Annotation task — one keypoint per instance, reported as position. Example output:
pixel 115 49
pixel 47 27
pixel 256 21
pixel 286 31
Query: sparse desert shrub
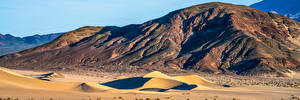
pixel 8 98
pixel 98 99
pixel 215 98
pixel 294 98
pixel 148 99
pixel 234 80
pixel 170 97
pixel 157 99
pixel 187 93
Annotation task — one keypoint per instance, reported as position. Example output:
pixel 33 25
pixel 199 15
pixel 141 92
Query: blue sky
pixel 29 17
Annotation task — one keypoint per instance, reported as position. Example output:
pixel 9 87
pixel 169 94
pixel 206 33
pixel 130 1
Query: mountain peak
pixel 11 44
pixel 213 37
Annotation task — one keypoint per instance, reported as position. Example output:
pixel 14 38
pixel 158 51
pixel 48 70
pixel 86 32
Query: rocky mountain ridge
pixel 213 37
pixel 12 44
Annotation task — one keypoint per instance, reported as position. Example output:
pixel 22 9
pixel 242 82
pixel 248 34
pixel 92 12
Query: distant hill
pixel 290 8
pixel 11 44
pixel 212 37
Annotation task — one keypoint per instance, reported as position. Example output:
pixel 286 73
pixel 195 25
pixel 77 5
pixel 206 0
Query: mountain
pixel 12 44
pixel 289 8
pixel 213 37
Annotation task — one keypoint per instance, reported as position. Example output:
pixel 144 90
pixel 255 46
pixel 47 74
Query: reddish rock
pixel 212 37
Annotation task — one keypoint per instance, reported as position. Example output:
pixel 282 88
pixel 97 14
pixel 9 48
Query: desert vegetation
pixel 292 97
pixel 235 80
pixel 220 79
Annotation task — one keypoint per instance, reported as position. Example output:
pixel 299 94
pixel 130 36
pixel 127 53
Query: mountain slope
pixel 289 8
pixel 11 44
pixel 212 37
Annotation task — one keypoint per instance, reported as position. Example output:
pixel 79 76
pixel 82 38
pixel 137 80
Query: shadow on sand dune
pixel 154 81
pixel 128 83
pixel 184 87
pixel 145 84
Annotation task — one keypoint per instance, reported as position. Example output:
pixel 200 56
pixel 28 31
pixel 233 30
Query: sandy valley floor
pixel 25 85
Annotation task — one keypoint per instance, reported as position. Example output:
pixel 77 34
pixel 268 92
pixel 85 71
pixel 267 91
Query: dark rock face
pixel 12 44
pixel 289 8
pixel 212 37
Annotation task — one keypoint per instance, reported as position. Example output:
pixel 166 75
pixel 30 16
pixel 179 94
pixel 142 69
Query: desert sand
pixel 44 85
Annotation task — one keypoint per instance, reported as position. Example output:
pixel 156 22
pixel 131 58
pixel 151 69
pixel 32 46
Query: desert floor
pixel 24 85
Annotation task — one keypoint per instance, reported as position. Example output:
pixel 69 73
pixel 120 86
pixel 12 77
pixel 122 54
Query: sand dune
pixel 189 79
pixel 154 81
pixel 12 80
pixel 157 81
pixel 152 85
pixel 157 74
pixel 92 87
pixel 50 76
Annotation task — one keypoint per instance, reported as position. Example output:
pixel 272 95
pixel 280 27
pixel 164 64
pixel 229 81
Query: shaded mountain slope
pixel 11 44
pixel 212 37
